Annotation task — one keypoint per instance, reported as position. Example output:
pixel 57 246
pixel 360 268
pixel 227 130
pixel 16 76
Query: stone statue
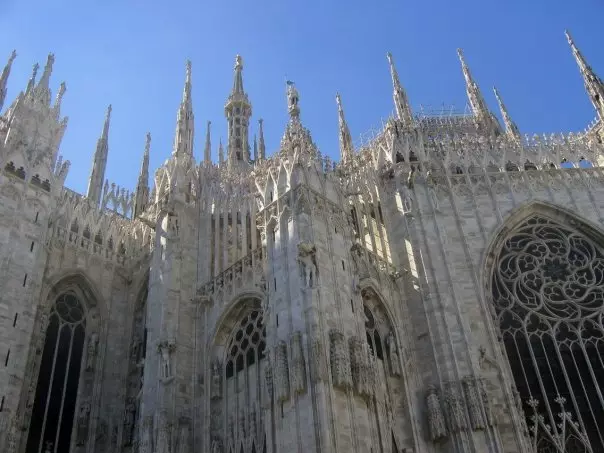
pixel 216 390
pixel 395 364
pixel 82 424
pixel 129 416
pixel 307 259
pixel 93 342
pixel 165 348
pixel 436 418
pixel 216 445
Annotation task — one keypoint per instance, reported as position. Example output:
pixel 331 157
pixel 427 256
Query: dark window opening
pixel 57 387
pixel 7 356
pixel 31 247
pixel 15 320
pixel 24 280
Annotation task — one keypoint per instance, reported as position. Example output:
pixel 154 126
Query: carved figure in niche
pixel 165 348
pixel 216 390
pixel 358 259
pixel 136 348
pixel 183 435
pixel 93 342
pixel 307 259
pixel 83 422
pixel 129 416
pixel 436 418
pixel 393 358
pixel 216 445
pixel 146 435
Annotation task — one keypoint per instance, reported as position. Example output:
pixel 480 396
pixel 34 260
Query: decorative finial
pixel 32 79
pixel 4 77
pixel 238 62
pixel 220 153
pixel 60 94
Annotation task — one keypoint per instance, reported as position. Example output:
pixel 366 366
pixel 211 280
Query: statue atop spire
pixel 261 145
pixel 401 102
pixel 479 107
pixel 511 130
pixel 4 77
pixel 97 175
pixel 238 79
pixel 593 84
pixel 142 188
pixel 207 152
pixel 292 101
pixel 238 111
pixel 346 147
pixel 185 126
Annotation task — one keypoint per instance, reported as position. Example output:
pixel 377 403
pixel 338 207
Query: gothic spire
pixel 479 106
pixel 511 129
pixel 207 152
pixel 238 111
pixel 346 147
pixel 401 102
pixel 220 154
pixel 97 175
pixel 185 128
pixel 142 188
pixel 255 149
pixel 261 145
pixel 593 83
pixel 292 101
pixel 4 77
pixel 42 90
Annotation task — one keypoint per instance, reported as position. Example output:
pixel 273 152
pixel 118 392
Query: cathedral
pixel 438 289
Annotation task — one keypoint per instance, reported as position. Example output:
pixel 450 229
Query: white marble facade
pixel 427 293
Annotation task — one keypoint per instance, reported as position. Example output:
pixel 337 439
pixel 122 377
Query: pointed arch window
pixel 548 292
pixel 374 339
pixel 240 426
pixel 53 411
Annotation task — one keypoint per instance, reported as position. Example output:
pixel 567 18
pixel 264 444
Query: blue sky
pixel 131 53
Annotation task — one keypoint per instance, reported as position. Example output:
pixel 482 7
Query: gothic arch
pixel 544 286
pixel 238 363
pixel 383 341
pixel 65 348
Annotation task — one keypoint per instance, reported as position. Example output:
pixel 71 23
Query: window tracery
pixel 52 417
pixel 237 421
pixel 548 292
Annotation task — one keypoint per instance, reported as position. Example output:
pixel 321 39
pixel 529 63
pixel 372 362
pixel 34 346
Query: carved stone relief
pixel 318 370
pixel 436 418
pixel 340 360
pixel 281 373
pixel 298 364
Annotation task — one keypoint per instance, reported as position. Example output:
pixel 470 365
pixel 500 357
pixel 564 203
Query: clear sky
pixel 131 53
